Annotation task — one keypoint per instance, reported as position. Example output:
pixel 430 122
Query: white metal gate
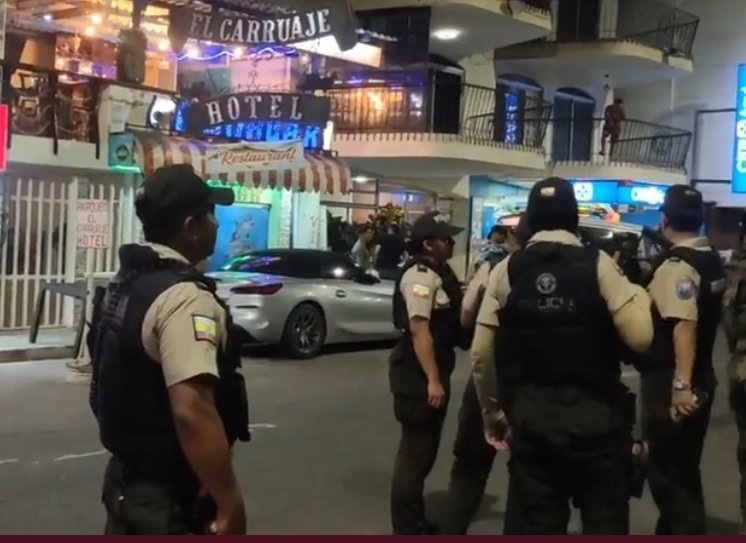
pixel 38 243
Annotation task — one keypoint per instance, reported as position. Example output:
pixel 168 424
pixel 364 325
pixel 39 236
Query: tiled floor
pixel 50 343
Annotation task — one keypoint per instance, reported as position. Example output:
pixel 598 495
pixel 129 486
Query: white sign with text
pixel 251 156
pixel 92 231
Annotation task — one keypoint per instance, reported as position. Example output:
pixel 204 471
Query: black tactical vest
pixel 445 327
pixel 128 392
pixel 713 281
pixel 555 328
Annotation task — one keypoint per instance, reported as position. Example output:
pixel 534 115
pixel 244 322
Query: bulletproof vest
pixel 555 328
pixel 445 323
pixel 128 393
pixel 713 283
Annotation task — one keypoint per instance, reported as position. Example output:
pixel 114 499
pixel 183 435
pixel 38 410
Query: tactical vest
pixel 713 281
pixel 555 328
pixel 445 325
pixel 128 393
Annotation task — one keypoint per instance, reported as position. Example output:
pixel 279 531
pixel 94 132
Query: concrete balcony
pixel 638 42
pixel 426 130
pixel 642 151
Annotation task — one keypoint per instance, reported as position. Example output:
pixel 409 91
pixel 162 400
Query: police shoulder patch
pixel 685 289
pixel 205 329
pixel 420 290
pixel 422 268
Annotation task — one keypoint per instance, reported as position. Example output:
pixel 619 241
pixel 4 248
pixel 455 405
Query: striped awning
pixel 316 173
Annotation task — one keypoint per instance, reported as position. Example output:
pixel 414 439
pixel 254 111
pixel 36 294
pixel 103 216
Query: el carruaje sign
pixel 247 107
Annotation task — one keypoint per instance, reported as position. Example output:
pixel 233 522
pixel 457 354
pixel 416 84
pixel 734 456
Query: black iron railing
pixel 475 114
pixel 647 22
pixel 634 142
pixel 52 103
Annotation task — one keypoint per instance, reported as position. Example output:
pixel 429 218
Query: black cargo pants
pixel 674 475
pixel 421 428
pixel 545 476
pixel 738 404
pixel 471 466
pixel 140 503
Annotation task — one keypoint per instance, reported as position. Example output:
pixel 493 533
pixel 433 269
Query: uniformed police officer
pixel 166 389
pixel 678 381
pixel 550 319
pixel 734 321
pixel 473 456
pixel 427 302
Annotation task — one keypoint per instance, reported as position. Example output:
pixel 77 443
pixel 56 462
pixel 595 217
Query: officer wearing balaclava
pixel 548 374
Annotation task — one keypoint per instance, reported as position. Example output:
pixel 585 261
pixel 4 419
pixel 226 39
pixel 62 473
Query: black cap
pixel 178 191
pixel 683 200
pixel 431 226
pixel 552 205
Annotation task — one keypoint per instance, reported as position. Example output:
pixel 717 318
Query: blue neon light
pixel 217 53
pixel 738 183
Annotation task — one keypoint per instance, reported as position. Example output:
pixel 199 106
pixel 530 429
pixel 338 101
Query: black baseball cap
pixel 432 226
pixel 683 200
pixel 552 205
pixel 177 190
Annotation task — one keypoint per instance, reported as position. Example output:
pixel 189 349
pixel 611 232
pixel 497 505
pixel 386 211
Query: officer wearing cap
pixel 166 388
pixel 678 380
pixel 548 372
pixel 426 307
pixel 473 456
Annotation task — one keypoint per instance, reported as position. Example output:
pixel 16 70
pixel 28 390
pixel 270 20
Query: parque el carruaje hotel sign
pixel 286 29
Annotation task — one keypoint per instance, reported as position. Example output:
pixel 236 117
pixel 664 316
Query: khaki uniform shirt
pixel 675 285
pixel 422 290
pixel 183 328
pixel 628 304
pixel 475 290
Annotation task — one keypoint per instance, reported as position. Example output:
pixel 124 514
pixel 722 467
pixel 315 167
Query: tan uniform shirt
pixel 183 328
pixel 422 290
pixel 475 290
pixel 628 304
pixel 675 285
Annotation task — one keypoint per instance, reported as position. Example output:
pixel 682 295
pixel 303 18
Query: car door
pixel 361 306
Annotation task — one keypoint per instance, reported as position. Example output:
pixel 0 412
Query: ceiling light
pixel 163 45
pixel 90 31
pixel 446 34
pixel 97 19
pixel 192 52
pixel 361 179
pixel 48 17
pixel 238 52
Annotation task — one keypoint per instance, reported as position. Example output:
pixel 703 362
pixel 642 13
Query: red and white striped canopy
pixel 316 173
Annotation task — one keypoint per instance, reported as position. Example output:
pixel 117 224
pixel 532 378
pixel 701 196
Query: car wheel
pixel 305 332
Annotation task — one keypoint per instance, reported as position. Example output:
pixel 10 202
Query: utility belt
pixel 176 472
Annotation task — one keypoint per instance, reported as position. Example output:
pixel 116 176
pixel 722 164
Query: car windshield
pixel 251 263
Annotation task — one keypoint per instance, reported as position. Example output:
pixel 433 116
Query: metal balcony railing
pixel 479 115
pixel 638 142
pixel 648 22
pixel 52 103
pixel 539 5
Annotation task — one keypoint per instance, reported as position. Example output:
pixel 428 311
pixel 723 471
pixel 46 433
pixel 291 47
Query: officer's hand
pixel 683 403
pixel 231 518
pixel 436 394
pixel 496 430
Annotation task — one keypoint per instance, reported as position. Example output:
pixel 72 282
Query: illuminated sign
pixel 583 191
pixel 313 137
pixel 241 30
pixel 653 196
pixel 245 107
pixel 738 183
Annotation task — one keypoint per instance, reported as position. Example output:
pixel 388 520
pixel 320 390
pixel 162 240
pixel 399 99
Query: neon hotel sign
pixel 738 182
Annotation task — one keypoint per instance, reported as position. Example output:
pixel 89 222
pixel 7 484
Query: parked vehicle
pixel 304 299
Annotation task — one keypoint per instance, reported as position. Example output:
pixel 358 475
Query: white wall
pixel 719 48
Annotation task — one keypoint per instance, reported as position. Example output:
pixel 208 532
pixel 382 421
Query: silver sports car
pixel 303 299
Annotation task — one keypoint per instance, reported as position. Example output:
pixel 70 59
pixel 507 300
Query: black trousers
pixel 738 404
pixel 674 475
pixel 421 428
pixel 471 466
pixel 151 504
pixel 546 476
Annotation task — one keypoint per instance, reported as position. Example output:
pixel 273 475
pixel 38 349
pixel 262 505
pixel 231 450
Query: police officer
pixel 427 302
pixel 734 321
pixel 473 456
pixel 545 340
pixel 166 391
pixel 678 381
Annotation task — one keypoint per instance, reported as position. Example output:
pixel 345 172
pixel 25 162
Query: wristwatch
pixel 679 385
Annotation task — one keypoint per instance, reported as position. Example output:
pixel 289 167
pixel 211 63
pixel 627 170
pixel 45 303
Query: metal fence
pixel 475 114
pixel 638 142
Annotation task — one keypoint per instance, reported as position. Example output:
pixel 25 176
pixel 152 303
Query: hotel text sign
pixel 247 107
pixel 738 182
pixel 229 29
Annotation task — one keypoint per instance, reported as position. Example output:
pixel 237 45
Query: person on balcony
pixel 614 118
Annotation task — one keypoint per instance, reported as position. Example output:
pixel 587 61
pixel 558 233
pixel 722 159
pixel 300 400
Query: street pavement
pixel 320 461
